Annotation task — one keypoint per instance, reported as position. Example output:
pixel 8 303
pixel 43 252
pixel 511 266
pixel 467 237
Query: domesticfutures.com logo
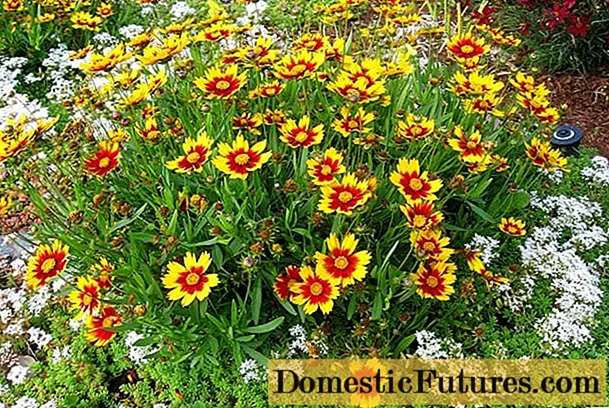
pixel 437 382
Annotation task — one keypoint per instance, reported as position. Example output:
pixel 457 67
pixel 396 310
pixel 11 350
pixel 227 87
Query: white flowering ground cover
pixel 555 306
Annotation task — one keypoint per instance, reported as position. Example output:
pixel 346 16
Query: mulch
pixel 587 99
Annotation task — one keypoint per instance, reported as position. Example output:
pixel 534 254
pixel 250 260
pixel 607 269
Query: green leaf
pixel 267 327
pixel 377 306
pixel 402 345
pixel 260 358
pixel 257 299
pixel 124 223
pixel 483 214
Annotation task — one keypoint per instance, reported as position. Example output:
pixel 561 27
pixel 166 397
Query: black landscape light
pixel 567 137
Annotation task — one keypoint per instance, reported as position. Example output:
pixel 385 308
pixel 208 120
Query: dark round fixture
pixel 568 137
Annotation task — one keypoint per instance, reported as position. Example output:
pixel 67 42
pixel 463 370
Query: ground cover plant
pixel 214 185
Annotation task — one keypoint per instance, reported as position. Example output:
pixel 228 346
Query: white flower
pixel 430 346
pixel 39 337
pixel 598 173
pixel 181 10
pixel 137 354
pixel 17 374
pixel 250 371
pixel 26 402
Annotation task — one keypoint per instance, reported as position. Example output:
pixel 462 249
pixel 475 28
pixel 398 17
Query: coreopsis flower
pixel 195 154
pixel 421 215
pixel 102 329
pixel 134 98
pixel 431 245
pixel 467 47
pixel 360 83
pixel 342 263
pixel 47 262
pixel 513 227
pixel 13 5
pixel 105 159
pixel 160 53
pixel 315 292
pixel 406 20
pixel 274 117
pixel 544 156
pixel 475 84
pixel 474 260
pixel 299 135
pixel 84 20
pixel 140 40
pixel 46 18
pixel 484 104
pixel 336 50
pixel 415 128
pixel 214 33
pixel 150 130
pixel 523 83
pixel 413 184
pixel 347 124
pixel 579 25
pixel 155 82
pixel 102 271
pixel 501 163
pixel 323 171
pixel 221 84
pixel 312 42
pixel 302 64
pixel 190 281
pixel 5 205
pixel 267 90
pixel 470 147
pixel 248 122
pixel 434 281
pixel 106 62
pixel 81 53
pixel 260 55
pixel 85 298
pixel 401 64
pixel 344 197
pixel 239 159
pixel 104 10
pixel 286 284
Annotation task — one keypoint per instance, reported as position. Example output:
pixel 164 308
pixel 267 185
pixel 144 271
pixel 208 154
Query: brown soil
pixel 587 99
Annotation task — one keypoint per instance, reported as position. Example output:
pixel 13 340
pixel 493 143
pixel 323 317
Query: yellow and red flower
pixel 544 156
pixel 315 292
pixel 342 264
pixel 239 159
pixel 301 65
pixel 189 281
pixel 195 155
pixel 103 273
pixel 105 159
pixel 347 124
pixel 47 262
pixel 415 128
pixel 314 42
pixel 513 227
pixel 85 298
pixel 286 284
pixel 221 84
pixel 344 197
pixel 413 184
pixel 323 171
pixel 299 135
pixel 431 245
pixel 467 47
pixel 248 122
pixel 267 90
pixel 5 205
pixel 434 280
pixel 421 215
pixel 470 147
pixel 102 329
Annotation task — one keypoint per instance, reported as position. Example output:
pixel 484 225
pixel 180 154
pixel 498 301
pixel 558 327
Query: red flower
pixel 557 15
pixel 105 159
pixel 483 17
pixel 579 25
